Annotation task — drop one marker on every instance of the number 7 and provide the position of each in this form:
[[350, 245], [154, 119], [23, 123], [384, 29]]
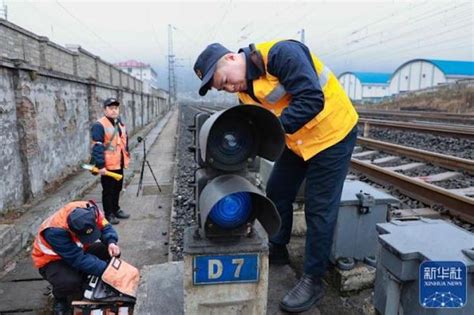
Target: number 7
[[239, 262]]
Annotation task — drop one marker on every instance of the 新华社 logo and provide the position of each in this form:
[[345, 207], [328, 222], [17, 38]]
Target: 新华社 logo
[[443, 284]]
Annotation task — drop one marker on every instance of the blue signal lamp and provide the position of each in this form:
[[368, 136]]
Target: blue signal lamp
[[232, 211]]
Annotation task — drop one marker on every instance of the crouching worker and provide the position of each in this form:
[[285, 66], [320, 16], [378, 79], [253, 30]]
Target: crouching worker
[[65, 249]]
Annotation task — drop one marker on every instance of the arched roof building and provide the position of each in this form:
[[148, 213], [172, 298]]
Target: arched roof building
[[418, 74], [365, 85]]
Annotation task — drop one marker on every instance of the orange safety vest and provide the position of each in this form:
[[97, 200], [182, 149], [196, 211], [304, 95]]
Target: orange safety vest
[[115, 145], [327, 128], [43, 253]]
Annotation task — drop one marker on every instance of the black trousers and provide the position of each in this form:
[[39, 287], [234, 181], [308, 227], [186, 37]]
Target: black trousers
[[111, 193], [66, 280], [325, 174]]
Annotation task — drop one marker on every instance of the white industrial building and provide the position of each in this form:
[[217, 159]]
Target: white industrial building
[[365, 86], [141, 71], [418, 74]]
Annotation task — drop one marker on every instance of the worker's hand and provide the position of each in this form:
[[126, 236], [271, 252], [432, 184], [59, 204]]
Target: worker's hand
[[102, 171], [114, 250]]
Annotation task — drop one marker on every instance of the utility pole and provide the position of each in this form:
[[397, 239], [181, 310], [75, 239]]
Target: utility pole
[[171, 68], [4, 11], [302, 35]]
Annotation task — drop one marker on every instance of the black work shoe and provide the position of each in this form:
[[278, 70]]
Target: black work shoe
[[278, 254], [61, 307], [112, 219], [305, 293], [121, 214]]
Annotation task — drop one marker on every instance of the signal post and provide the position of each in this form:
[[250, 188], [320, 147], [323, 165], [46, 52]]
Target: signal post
[[225, 258]]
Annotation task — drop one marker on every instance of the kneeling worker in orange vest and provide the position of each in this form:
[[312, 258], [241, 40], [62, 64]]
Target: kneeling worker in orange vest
[[66, 250]]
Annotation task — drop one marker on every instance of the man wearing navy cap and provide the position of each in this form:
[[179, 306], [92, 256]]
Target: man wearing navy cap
[[320, 125], [74, 242], [110, 152]]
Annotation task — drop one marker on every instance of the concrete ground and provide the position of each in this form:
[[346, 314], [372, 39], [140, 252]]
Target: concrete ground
[[144, 242], [164, 282]]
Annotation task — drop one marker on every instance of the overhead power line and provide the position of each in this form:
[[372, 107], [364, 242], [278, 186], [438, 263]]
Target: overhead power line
[[409, 25], [460, 27], [90, 30]]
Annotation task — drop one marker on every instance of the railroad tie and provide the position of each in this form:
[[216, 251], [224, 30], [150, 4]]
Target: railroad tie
[[438, 177], [404, 167]]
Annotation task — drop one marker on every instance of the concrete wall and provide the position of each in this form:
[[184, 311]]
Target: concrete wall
[[10, 161], [19, 44], [48, 103], [59, 59]]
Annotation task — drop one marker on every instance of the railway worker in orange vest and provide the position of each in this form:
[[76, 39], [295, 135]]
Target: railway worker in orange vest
[[320, 125], [110, 152], [66, 250]]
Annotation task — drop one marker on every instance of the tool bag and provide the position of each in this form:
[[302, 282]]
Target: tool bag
[[118, 283]]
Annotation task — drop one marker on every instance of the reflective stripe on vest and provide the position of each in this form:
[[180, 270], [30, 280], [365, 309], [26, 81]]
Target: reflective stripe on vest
[[324, 76], [48, 251], [276, 94], [279, 91], [45, 249]]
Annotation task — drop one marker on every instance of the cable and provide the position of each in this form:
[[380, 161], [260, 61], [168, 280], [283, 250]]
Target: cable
[[335, 54], [412, 31], [405, 49], [86, 27], [63, 27]]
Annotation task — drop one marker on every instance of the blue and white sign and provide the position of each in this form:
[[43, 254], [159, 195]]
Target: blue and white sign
[[443, 284], [226, 269]]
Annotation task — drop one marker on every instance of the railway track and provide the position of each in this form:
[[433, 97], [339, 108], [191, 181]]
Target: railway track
[[431, 128], [466, 119], [457, 203], [392, 169], [450, 162]]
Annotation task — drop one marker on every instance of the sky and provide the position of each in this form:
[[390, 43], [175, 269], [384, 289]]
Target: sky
[[374, 36]]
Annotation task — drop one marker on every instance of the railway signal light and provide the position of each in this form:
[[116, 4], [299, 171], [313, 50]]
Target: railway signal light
[[226, 143]]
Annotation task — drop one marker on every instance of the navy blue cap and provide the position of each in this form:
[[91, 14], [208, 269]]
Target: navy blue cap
[[111, 101], [82, 221], [206, 65]]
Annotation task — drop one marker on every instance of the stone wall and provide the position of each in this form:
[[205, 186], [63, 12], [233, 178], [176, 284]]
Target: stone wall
[[49, 98]]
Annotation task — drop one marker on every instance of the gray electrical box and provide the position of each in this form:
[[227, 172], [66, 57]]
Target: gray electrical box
[[264, 171], [404, 245], [362, 207]]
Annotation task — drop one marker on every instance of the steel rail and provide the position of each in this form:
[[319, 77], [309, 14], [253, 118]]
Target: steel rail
[[458, 118], [441, 129], [450, 162], [207, 109], [419, 190], [203, 109]]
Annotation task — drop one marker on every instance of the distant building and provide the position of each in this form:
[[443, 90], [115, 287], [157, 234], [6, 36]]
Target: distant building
[[141, 71], [418, 74], [365, 86]]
